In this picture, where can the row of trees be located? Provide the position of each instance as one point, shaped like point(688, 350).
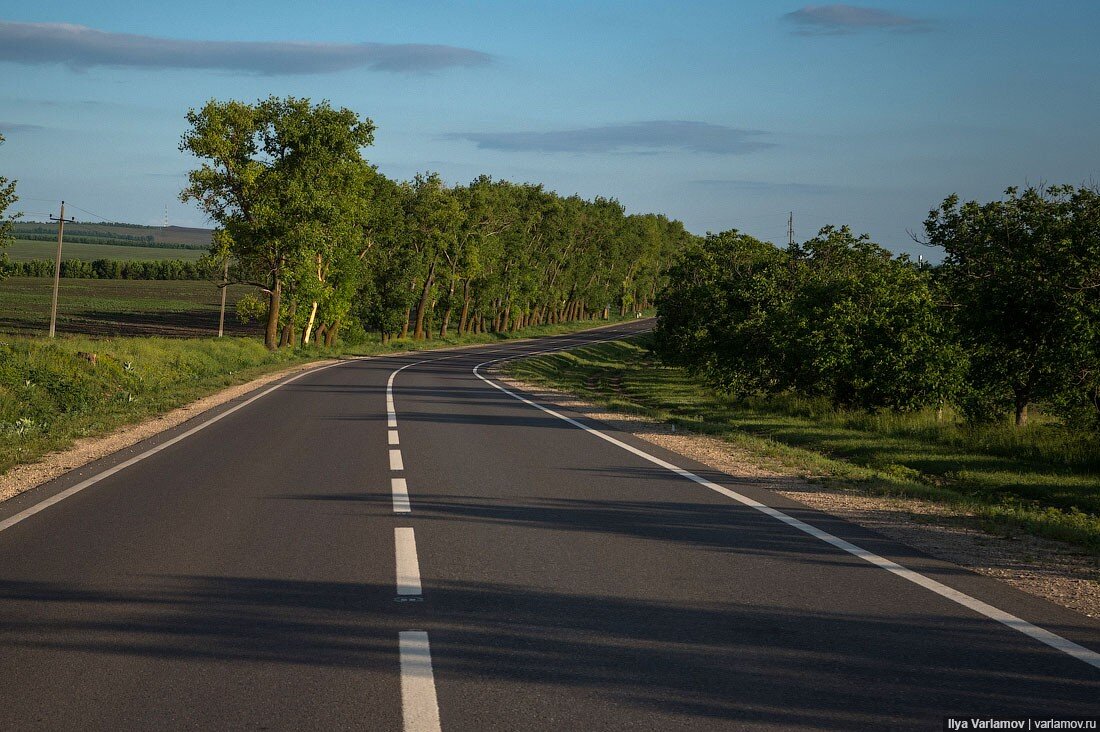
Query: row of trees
point(1011, 318)
point(115, 240)
point(331, 241)
point(113, 269)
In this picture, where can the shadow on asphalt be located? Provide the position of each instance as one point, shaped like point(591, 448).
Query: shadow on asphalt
point(699, 662)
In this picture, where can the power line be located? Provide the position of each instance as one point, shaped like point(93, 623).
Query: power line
point(90, 213)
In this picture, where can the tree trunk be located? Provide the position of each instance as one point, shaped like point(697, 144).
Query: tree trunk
point(271, 334)
point(405, 327)
point(422, 306)
point(309, 325)
point(462, 321)
point(1021, 412)
point(446, 319)
point(330, 334)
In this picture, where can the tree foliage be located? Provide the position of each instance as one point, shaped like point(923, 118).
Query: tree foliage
point(836, 317)
point(1023, 277)
point(303, 216)
point(275, 179)
point(7, 221)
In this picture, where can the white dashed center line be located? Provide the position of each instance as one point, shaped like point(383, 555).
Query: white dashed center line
point(419, 707)
point(408, 567)
point(400, 495)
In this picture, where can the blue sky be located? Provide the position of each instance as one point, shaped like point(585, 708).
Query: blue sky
point(722, 114)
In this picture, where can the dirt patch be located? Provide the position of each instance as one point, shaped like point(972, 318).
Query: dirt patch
point(24, 477)
point(1049, 569)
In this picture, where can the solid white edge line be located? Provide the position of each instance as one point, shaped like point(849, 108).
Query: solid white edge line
point(400, 490)
point(396, 463)
point(406, 562)
point(419, 707)
point(1033, 631)
point(57, 498)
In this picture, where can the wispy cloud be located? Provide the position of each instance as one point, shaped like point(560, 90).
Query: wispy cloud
point(80, 47)
point(7, 128)
point(634, 137)
point(841, 19)
point(734, 185)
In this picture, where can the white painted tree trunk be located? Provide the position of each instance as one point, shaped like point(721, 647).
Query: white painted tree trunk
point(309, 325)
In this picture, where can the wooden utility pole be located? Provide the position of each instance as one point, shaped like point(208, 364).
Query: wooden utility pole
point(225, 286)
point(57, 266)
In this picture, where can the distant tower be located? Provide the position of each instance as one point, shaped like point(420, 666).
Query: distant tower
point(166, 215)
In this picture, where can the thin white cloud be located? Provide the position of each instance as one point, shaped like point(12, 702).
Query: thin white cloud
point(841, 19)
point(16, 127)
point(634, 137)
point(734, 185)
point(80, 47)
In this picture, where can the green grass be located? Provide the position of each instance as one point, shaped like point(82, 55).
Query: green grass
point(118, 307)
point(1043, 480)
point(24, 251)
point(50, 395)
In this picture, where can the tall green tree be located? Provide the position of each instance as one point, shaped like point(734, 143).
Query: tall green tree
point(1023, 276)
point(271, 175)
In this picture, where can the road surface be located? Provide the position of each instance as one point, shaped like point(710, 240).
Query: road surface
point(398, 543)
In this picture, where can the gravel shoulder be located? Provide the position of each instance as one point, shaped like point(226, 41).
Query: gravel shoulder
point(1049, 569)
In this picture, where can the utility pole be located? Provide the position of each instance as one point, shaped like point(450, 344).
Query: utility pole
point(57, 265)
point(225, 286)
point(790, 229)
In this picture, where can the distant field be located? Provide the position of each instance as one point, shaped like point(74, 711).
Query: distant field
point(119, 307)
point(23, 251)
point(160, 234)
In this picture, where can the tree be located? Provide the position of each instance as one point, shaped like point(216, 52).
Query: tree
point(273, 172)
point(718, 314)
point(867, 331)
point(836, 317)
point(1023, 277)
point(7, 198)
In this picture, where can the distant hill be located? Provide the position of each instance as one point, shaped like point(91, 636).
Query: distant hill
point(174, 237)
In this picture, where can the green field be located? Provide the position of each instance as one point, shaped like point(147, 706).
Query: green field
point(160, 234)
point(1044, 479)
point(24, 251)
point(178, 308)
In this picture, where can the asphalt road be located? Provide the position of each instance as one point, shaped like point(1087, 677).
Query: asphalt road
point(472, 562)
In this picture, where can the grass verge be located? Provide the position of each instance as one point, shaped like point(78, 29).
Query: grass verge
point(51, 394)
point(1041, 482)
